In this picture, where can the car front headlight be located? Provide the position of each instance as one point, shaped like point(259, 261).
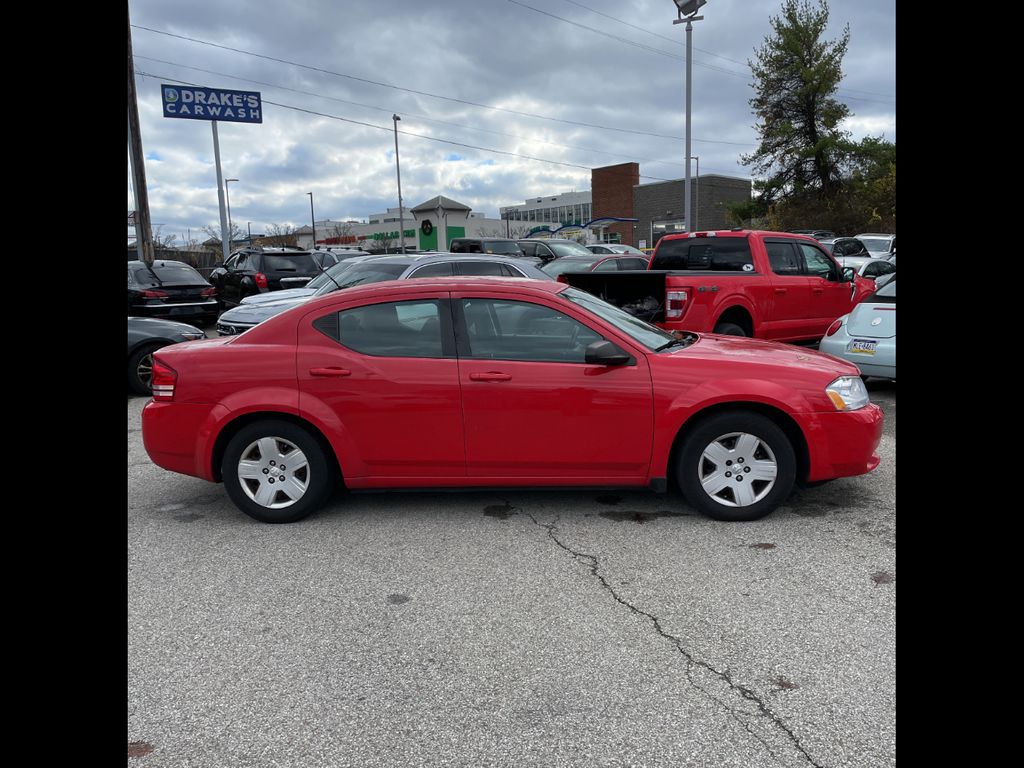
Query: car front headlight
point(193, 335)
point(848, 393)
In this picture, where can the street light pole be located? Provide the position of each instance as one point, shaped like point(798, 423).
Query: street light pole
point(398, 171)
point(687, 10)
point(227, 195)
point(312, 220)
point(696, 202)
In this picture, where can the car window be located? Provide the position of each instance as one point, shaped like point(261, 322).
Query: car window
point(632, 263)
point(876, 268)
point(560, 266)
point(608, 265)
point(519, 330)
point(392, 329)
point(714, 253)
point(482, 268)
point(818, 264)
point(168, 274)
point(246, 263)
point(362, 274)
point(568, 249)
point(507, 247)
point(887, 293)
point(442, 269)
point(599, 249)
point(782, 258)
point(232, 262)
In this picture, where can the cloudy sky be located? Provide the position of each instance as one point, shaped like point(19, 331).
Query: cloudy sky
point(500, 100)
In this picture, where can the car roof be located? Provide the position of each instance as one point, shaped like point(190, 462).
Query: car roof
point(159, 262)
point(527, 285)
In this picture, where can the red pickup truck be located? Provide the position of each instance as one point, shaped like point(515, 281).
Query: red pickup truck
point(769, 285)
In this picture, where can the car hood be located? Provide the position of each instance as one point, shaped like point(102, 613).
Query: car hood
point(257, 313)
point(759, 353)
point(273, 296)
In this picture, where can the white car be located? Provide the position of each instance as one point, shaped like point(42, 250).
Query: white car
point(879, 246)
point(867, 336)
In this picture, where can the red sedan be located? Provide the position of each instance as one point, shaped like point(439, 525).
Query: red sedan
point(476, 382)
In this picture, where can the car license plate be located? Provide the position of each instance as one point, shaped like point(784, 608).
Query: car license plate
point(862, 347)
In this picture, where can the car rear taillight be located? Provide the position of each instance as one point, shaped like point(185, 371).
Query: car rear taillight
point(562, 279)
point(209, 293)
point(675, 304)
point(261, 281)
point(154, 294)
point(834, 328)
point(164, 379)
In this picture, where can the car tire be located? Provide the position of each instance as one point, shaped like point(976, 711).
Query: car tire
point(140, 369)
point(706, 469)
point(729, 329)
point(258, 455)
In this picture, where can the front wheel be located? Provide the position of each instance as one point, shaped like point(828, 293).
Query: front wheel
point(737, 466)
point(276, 471)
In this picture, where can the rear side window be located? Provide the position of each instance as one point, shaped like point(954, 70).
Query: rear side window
point(632, 264)
point(731, 254)
point(393, 329)
point(507, 247)
point(492, 268)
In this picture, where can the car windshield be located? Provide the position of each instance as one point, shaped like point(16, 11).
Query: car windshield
point(559, 266)
point(875, 243)
point(293, 262)
point(324, 278)
point(508, 246)
point(167, 274)
point(887, 293)
point(568, 249)
point(651, 337)
point(361, 274)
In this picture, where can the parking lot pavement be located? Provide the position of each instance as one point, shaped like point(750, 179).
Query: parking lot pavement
point(559, 628)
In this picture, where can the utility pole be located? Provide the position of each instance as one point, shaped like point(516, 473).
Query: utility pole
point(143, 230)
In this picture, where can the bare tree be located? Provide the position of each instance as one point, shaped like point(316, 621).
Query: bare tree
point(342, 230)
point(161, 240)
point(214, 232)
point(280, 234)
point(383, 242)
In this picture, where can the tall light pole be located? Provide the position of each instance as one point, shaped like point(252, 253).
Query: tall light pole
point(227, 194)
point(696, 202)
point(398, 171)
point(312, 220)
point(687, 10)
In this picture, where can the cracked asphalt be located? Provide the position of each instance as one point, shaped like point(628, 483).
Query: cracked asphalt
point(583, 628)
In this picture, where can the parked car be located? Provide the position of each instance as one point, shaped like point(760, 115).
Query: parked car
point(769, 285)
point(502, 383)
point(376, 269)
point(880, 246)
point(311, 287)
point(614, 248)
point(845, 246)
point(817, 234)
point(495, 245)
point(170, 289)
point(259, 270)
point(867, 336)
point(549, 250)
point(596, 262)
point(867, 267)
point(145, 336)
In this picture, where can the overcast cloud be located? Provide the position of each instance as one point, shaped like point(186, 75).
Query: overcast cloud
point(498, 53)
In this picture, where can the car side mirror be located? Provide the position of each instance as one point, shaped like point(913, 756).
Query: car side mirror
point(603, 352)
point(848, 274)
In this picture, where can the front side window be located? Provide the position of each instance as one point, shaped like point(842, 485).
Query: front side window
point(393, 329)
point(517, 330)
point(818, 264)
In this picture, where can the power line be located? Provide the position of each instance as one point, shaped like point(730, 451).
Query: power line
point(696, 48)
point(410, 114)
point(390, 129)
point(426, 93)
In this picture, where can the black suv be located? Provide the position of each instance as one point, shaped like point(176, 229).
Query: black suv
point(499, 246)
point(551, 249)
point(258, 270)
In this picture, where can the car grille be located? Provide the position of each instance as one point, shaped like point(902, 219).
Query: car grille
point(231, 329)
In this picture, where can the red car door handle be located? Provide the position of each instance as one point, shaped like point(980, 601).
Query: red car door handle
point(329, 371)
point(493, 376)
point(781, 291)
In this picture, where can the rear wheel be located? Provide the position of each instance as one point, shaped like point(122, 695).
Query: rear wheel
point(276, 471)
point(736, 466)
point(730, 329)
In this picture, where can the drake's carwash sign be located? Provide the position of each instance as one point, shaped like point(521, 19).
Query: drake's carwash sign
point(212, 104)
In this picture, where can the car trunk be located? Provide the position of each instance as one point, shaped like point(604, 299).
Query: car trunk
point(876, 321)
point(640, 293)
point(181, 293)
